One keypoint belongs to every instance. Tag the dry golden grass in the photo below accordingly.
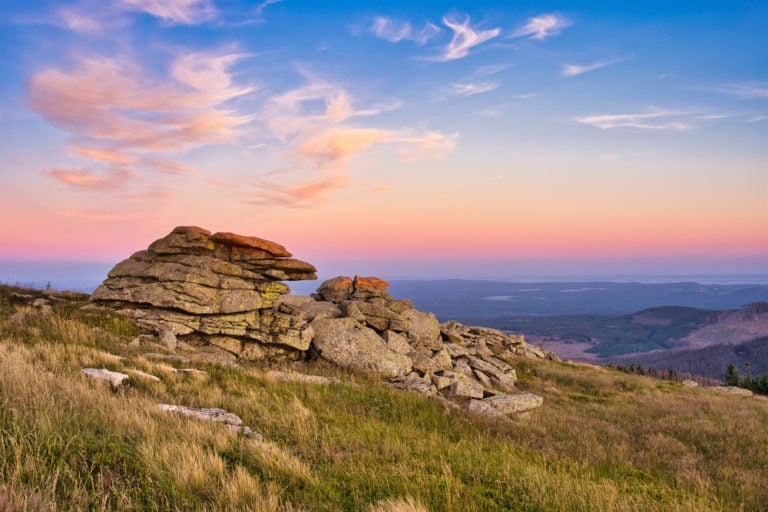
(603, 441)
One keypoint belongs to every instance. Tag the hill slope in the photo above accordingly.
(602, 441)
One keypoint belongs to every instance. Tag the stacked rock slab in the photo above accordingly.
(358, 325)
(220, 286)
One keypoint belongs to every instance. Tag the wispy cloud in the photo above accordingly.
(99, 214)
(259, 10)
(490, 69)
(183, 12)
(542, 26)
(91, 179)
(465, 37)
(744, 90)
(77, 20)
(117, 115)
(314, 122)
(299, 194)
(569, 70)
(322, 128)
(655, 119)
(472, 88)
(395, 31)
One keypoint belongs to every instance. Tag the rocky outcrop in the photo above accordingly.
(224, 290)
(221, 288)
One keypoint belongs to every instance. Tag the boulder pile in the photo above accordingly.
(225, 290)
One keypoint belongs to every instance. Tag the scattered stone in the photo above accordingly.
(228, 419)
(511, 405)
(40, 303)
(168, 339)
(115, 378)
(462, 387)
(18, 317)
(413, 383)
(483, 408)
(134, 343)
(690, 383)
(165, 357)
(190, 371)
(144, 375)
(300, 377)
(732, 390)
(21, 298)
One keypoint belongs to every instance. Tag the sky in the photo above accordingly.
(429, 139)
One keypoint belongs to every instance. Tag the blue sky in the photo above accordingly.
(391, 131)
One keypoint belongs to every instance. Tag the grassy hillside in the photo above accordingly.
(603, 440)
(749, 357)
(650, 329)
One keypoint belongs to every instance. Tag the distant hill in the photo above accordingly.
(692, 340)
(610, 335)
(457, 298)
(711, 361)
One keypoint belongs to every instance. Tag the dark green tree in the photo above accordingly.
(731, 375)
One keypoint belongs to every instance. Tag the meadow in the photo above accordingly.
(604, 440)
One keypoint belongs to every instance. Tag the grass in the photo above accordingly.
(604, 440)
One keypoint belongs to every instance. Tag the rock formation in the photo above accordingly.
(222, 287)
(225, 290)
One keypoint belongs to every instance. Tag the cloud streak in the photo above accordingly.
(395, 31)
(464, 38)
(542, 26)
(745, 90)
(655, 120)
(569, 70)
(90, 179)
(173, 12)
(472, 88)
(302, 194)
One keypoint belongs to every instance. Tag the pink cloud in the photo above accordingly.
(314, 121)
(117, 114)
(339, 143)
(185, 12)
(90, 179)
(98, 214)
(303, 194)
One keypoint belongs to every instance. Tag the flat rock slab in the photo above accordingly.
(300, 377)
(115, 378)
(510, 405)
(144, 375)
(228, 419)
(732, 390)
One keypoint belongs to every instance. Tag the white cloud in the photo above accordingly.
(464, 38)
(569, 70)
(744, 90)
(472, 88)
(77, 21)
(542, 27)
(259, 10)
(656, 119)
(395, 31)
(489, 70)
(184, 12)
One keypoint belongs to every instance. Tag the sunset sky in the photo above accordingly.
(399, 138)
